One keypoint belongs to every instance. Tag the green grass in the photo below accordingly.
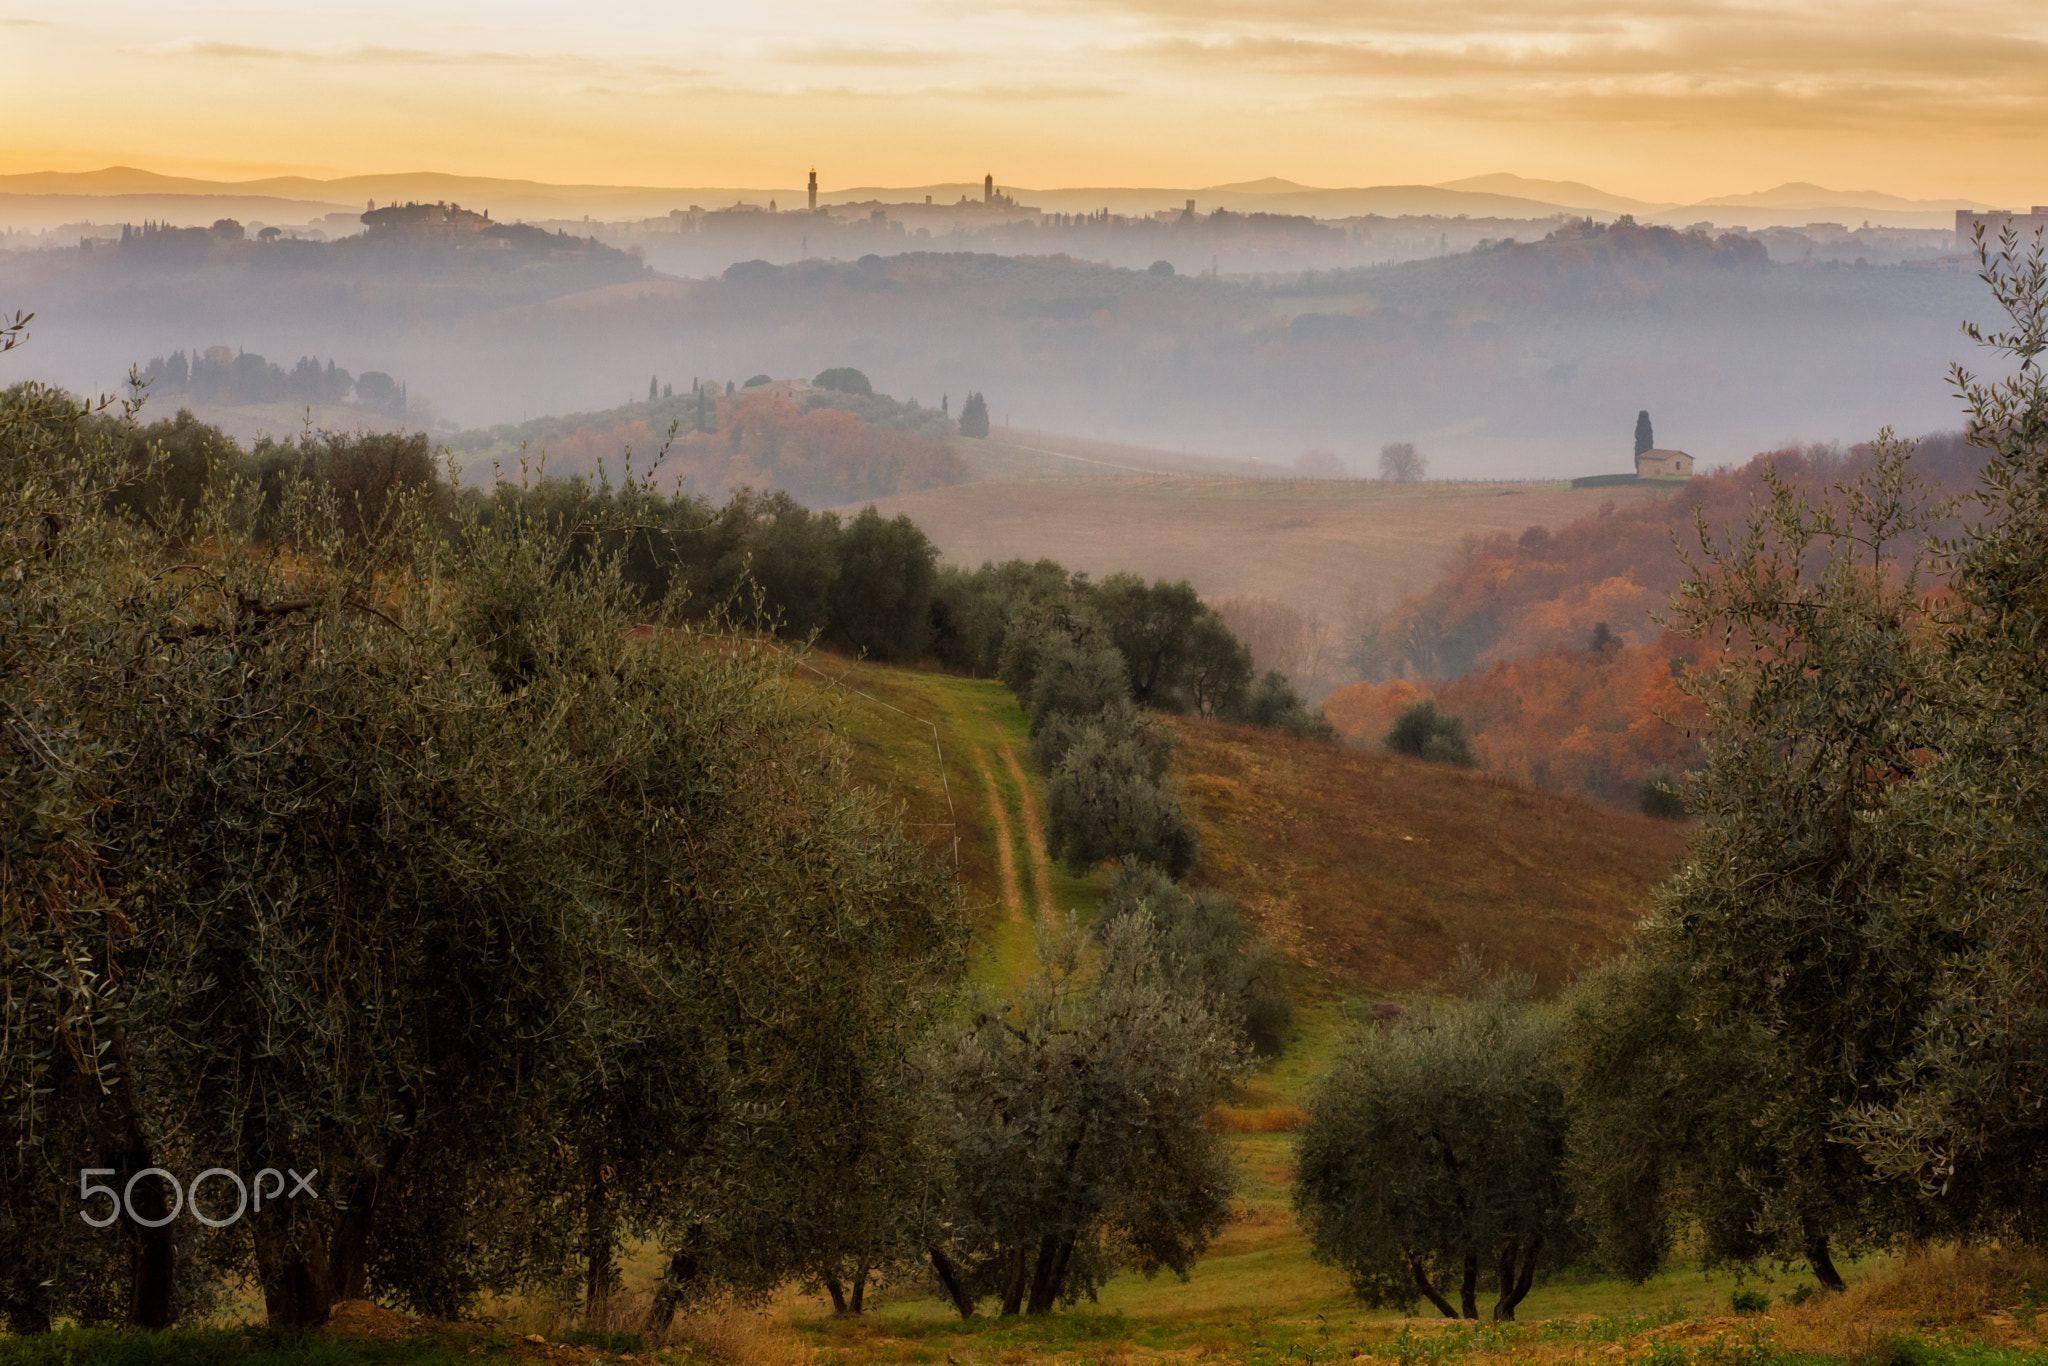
(888, 716)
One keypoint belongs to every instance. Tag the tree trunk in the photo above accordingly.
(682, 1269)
(1468, 1296)
(838, 1294)
(599, 1272)
(1505, 1276)
(1422, 1283)
(1042, 1287)
(298, 1289)
(349, 1254)
(1823, 1265)
(1059, 1271)
(949, 1277)
(859, 1291)
(1013, 1291)
(152, 1252)
(1522, 1279)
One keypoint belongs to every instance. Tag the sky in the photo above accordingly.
(1667, 100)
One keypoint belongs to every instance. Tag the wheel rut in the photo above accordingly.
(1034, 836)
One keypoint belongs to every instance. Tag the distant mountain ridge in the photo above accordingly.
(1567, 192)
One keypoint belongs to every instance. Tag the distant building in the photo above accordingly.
(993, 198)
(1995, 222)
(1663, 464)
(426, 222)
(782, 388)
(814, 189)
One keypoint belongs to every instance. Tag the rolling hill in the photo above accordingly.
(1370, 872)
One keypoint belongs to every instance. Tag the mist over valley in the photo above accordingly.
(1505, 348)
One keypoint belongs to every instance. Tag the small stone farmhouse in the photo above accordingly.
(1662, 464)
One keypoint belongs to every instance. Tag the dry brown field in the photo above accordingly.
(1375, 871)
(1318, 546)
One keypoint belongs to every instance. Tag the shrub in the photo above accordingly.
(1274, 704)
(1421, 732)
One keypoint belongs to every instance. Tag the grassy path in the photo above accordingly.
(1006, 849)
(1034, 836)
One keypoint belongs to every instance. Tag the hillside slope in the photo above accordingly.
(1370, 871)
(1376, 870)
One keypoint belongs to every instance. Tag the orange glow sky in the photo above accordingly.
(1661, 99)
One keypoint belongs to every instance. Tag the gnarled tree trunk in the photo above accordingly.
(1822, 1263)
(305, 1274)
(949, 1277)
(1515, 1280)
(682, 1269)
(1428, 1288)
(1013, 1288)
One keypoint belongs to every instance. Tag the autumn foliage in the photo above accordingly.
(1592, 722)
(1508, 597)
(825, 457)
(1547, 644)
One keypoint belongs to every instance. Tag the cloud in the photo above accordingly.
(374, 54)
(1693, 64)
(1753, 107)
(998, 91)
(860, 55)
(1822, 57)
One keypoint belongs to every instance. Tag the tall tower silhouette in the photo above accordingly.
(814, 189)
(988, 188)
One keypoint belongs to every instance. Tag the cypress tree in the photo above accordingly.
(974, 416)
(1645, 440)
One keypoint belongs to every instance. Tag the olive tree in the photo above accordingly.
(880, 597)
(1663, 1101)
(81, 615)
(1964, 1124)
(422, 868)
(1832, 1033)
(1109, 794)
(1432, 1158)
(1782, 919)
(1201, 944)
(1153, 627)
(1072, 1119)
